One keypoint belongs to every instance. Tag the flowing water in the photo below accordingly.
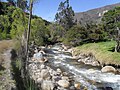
(89, 76)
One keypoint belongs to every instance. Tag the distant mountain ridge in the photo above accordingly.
(93, 15)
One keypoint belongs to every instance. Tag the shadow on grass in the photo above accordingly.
(22, 82)
(1, 68)
(112, 49)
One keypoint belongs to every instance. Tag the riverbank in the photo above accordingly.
(103, 52)
(6, 80)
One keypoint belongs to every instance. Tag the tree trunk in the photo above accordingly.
(29, 24)
(117, 48)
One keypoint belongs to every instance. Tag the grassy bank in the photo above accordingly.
(103, 51)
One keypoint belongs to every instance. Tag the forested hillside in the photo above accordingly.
(93, 15)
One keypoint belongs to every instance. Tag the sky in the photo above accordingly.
(48, 8)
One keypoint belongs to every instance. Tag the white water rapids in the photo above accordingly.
(90, 77)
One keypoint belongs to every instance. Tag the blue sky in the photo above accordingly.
(47, 8)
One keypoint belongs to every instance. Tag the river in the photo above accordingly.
(89, 76)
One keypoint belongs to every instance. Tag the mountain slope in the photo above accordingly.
(93, 15)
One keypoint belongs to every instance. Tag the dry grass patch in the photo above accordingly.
(5, 45)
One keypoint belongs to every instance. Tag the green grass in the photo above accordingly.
(102, 51)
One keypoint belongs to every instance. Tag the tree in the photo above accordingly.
(23, 4)
(65, 15)
(4, 27)
(95, 32)
(111, 21)
(19, 24)
(12, 2)
(55, 32)
(75, 36)
(39, 32)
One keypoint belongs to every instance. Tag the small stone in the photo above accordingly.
(65, 78)
(65, 74)
(43, 66)
(77, 85)
(59, 71)
(72, 88)
(63, 83)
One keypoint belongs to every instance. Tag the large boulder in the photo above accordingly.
(63, 83)
(108, 69)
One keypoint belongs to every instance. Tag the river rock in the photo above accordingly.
(45, 74)
(56, 78)
(65, 74)
(47, 85)
(77, 85)
(108, 69)
(91, 70)
(72, 88)
(63, 83)
(65, 78)
(39, 80)
(59, 71)
(42, 66)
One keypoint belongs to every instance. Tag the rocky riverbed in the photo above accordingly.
(49, 79)
(62, 71)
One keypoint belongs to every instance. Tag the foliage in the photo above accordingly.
(19, 24)
(22, 4)
(39, 32)
(78, 35)
(75, 35)
(4, 26)
(65, 15)
(55, 32)
(95, 32)
(111, 21)
(3, 7)
(11, 2)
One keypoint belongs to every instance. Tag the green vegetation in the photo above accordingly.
(14, 22)
(111, 20)
(65, 15)
(78, 34)
(103, 51)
